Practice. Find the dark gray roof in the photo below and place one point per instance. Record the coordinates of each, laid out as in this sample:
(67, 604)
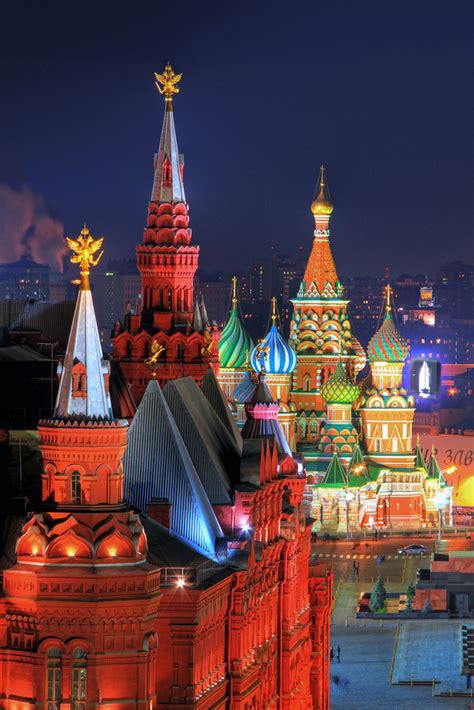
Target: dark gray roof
(212, 448)
(157, 465)
(52, 320)
(213, 393)
(20, 353)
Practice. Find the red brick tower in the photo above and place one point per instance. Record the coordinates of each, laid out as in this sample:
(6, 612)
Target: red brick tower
(80, 604)
(171, 327)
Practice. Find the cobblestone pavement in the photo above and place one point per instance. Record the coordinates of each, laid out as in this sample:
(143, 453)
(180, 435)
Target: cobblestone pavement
(429, 649)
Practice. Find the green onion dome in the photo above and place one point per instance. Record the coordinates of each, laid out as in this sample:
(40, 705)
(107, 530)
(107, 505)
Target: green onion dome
(234, 342)
(387, 345)
(338, 389)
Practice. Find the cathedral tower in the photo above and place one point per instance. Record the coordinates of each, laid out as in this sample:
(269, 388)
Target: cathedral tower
(167, 262)
(320, 331)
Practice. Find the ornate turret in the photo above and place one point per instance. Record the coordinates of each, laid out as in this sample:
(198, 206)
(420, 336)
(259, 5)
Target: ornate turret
(338, 433)
(338, 388)
(262, 417)
(387, 350)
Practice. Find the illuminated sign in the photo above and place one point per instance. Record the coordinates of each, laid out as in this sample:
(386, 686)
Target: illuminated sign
(425, 377)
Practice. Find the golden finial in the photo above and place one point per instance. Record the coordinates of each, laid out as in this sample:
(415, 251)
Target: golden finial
(388, 293)
(167, 84)
(84, 247)
(234, 291)
(322, 205)
(274, 311)
(417, 439)
(247, 359)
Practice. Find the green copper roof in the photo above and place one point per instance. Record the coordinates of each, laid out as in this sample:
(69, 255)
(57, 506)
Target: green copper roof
(234, 342)
(335, 473)
(420, 459)
(338, 389)
(434, 469)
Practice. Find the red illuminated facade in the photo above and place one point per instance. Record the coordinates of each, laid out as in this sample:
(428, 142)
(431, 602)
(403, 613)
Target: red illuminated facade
(167, 261)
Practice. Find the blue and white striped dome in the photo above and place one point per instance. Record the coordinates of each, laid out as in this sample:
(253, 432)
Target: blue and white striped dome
(276, 356)
(244, 391)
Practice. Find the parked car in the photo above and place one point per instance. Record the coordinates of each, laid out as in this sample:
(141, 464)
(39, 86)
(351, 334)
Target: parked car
(364, 601)
(413, 550)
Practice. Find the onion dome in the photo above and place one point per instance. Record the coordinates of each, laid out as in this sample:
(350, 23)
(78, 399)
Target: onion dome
(360, 358)
(234, 341)
(322, 205)
(273, 353)
(387, 345)
(245, 389)
(338, 389)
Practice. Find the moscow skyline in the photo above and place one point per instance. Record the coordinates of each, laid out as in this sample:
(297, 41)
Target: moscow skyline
(381, 98)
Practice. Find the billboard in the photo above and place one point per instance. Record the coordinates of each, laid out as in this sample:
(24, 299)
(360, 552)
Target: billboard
(425, 377)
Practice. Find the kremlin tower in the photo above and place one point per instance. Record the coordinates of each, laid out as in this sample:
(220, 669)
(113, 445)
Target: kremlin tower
(277, 360)
(79, 605)
(320, 331)
(168, 337)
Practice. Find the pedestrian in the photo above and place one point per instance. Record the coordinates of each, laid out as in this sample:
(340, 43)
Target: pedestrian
(331, 655)
(354, 568)
(338, 653)
(357, 570)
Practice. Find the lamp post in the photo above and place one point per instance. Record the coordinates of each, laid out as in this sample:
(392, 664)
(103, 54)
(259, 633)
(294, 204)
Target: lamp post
(442, 497)
(348, 496)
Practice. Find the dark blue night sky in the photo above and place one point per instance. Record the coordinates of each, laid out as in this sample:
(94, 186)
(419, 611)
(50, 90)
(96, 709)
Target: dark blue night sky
(379, 92)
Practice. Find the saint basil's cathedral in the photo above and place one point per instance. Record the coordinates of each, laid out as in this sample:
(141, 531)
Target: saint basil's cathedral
(168, 563)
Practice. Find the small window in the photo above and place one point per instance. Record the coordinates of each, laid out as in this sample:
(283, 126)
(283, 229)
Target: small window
(53, 678)
(76, 487)
(79, 679)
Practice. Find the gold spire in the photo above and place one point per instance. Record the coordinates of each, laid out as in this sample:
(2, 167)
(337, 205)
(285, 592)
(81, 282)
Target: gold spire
(274, 311)
(84, 247)
(417, 439)
(322, 205)
(234, 292)
(167, 84)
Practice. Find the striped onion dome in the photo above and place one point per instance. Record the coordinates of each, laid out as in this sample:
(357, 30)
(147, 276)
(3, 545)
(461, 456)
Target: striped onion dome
(387, 345)
(244, 391)
(274, 354)
(338, 389)
(234, 342)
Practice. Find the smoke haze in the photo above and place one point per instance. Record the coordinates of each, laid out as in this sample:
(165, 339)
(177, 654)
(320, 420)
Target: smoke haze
(27, 228)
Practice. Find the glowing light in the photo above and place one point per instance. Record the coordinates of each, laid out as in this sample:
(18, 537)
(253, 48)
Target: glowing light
(180, 583)
(245, 527)
(451, 469)
(112, 552)
(34, 550)
(71, 552)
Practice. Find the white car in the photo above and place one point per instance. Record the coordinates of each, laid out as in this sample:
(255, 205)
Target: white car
(413, 550)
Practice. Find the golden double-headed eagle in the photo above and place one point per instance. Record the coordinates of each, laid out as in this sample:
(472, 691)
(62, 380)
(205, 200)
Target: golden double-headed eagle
(167, 83)
(84, 248)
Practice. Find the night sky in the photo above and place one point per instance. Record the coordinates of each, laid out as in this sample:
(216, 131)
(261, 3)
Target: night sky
(381, 93)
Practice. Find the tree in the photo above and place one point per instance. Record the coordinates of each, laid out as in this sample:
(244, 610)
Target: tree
(411, 591)
(427, 607)
(378, 596)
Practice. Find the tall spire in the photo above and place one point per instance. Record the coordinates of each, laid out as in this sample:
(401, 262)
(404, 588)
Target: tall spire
(84, 385)
(320, 277)
(168, 183)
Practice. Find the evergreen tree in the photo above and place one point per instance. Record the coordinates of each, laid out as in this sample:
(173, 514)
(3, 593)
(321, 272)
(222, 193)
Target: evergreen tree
(427, 607)
(411, 591)
(377, 598)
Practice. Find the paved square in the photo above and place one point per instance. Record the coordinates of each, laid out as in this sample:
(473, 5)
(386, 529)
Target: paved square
(429, 650)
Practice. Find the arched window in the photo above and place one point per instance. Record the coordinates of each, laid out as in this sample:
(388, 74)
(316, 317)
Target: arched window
(306, 382)
(170, 299)
(160, 298)
(75, 487)
(79, 679)
(53, 678)
(179, 351)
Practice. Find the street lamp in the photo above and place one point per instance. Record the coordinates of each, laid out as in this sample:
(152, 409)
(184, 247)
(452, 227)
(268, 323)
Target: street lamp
(348, 496)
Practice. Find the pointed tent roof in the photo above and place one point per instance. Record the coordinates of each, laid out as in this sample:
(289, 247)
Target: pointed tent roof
(212, 448)
(434, 469)
(157, 465)
(357, 459)
(205, 318)
(419, 458)
(234, 341)
(84, 350)
(168, 183)
(335, 474)
(197, 320)
(320, 277)
(214, 395)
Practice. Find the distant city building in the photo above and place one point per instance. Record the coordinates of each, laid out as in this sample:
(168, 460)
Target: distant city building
(216, 292)
(24, 279)
(114, 292)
